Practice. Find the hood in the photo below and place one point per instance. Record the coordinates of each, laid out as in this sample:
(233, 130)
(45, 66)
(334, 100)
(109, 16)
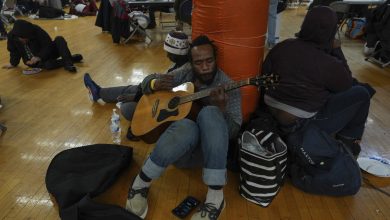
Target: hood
(319, 27)
(23, 29)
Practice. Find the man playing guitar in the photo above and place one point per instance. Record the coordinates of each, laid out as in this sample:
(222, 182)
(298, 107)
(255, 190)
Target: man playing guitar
(200, 142)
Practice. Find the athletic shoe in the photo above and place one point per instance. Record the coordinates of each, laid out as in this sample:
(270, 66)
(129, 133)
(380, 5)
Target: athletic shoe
(208, 211)
(137, 202)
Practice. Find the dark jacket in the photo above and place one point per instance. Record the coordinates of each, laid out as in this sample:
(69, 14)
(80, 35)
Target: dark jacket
(309, 64)
(39, 42)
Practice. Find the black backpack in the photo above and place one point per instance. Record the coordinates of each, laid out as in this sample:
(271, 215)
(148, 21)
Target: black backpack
(49, 12)
(76, 175)
(320, 164)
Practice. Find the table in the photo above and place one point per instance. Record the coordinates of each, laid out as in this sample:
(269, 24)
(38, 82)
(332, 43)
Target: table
(364, 2)
(154, 3)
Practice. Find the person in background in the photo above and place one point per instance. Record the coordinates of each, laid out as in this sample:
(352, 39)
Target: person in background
(272, 39)
(3, 32)
(324, 91)
(176, 45)
(201, 142)
(83, 8)
(35, 47)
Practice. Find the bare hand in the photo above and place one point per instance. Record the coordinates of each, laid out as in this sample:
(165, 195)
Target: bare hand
(126, 98)
(164, 82)
(8, 66)
(219, 98)
(33, 60)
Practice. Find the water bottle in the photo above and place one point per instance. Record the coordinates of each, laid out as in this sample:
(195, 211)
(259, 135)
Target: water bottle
(115, 127)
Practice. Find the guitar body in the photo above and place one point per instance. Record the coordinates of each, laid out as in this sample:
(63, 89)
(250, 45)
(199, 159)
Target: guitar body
(155, 110)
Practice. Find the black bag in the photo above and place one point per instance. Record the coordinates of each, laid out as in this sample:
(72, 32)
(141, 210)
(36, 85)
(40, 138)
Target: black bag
(320, 164)
(76, 175)
(263, 161)
(49, 12)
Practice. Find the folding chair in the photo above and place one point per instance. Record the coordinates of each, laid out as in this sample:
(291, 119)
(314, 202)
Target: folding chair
(343, 13)
(377, 58)
(138, 22)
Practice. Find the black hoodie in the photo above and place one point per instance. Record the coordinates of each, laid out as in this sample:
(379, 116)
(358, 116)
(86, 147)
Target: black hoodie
(310, 65)
(39, 42)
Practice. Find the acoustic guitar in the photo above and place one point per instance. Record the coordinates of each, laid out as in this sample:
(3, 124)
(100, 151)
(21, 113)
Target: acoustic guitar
(154, 111)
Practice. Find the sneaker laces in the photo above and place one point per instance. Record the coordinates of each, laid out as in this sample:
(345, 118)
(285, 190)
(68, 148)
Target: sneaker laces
(210, 209)
(142, 191)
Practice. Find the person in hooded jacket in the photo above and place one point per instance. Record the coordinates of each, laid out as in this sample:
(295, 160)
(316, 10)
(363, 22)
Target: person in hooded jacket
(35, 47)
(316, 83)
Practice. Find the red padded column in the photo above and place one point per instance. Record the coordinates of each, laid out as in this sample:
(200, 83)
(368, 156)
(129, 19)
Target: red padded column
(238, 29)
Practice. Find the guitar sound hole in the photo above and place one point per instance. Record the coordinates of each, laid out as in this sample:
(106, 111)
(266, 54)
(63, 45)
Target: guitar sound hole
(174, 103)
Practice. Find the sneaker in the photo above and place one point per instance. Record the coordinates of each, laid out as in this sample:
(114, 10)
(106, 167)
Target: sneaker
(137, 202)
(208, 211)
(76, 58)
(92, 87)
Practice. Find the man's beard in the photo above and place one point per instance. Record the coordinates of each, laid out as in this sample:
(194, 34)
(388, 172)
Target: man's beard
(208, 80)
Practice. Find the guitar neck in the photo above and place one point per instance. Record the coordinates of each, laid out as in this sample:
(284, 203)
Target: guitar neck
(206, 92)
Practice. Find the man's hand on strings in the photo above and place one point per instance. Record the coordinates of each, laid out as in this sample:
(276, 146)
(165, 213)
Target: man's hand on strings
(219, 98)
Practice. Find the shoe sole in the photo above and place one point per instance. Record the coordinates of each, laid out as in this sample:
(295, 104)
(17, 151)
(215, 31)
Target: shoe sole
(143, 215)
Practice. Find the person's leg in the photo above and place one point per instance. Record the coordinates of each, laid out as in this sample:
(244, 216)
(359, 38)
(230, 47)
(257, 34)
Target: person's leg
(64, 53)
(110, 94)
(214, 138)
(180, 138)
(345, 115)
(127, 109)
(152, 17)
(272, 16)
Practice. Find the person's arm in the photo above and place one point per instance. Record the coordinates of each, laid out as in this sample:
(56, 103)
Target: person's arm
(14, 54)
(167, 81)
(335, 72)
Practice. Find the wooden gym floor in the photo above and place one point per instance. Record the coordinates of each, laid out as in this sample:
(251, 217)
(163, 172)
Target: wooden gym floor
(50, 112)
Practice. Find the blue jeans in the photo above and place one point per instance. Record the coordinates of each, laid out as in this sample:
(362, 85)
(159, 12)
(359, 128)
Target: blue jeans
(187, 143)
(344, 114)
(272, 16)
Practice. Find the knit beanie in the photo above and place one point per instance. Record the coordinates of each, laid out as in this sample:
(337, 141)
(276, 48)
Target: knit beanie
(177, 43)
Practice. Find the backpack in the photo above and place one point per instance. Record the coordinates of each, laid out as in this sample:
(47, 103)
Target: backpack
(77, 175)
(356, 28)
(263, 161)
(49, 12)
(320, 164)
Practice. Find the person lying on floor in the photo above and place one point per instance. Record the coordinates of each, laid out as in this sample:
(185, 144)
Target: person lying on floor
(83, 8)
(324, 91)
(35, 47)
(176, 45)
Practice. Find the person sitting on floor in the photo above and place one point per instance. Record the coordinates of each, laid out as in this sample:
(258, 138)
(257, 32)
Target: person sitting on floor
(34, 45)
(83, 8)
(176, 45)
(187, 143)
(324, 91)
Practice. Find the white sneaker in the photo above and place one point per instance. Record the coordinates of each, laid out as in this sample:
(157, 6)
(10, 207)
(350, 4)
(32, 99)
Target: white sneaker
(367, 51)
(137, 202)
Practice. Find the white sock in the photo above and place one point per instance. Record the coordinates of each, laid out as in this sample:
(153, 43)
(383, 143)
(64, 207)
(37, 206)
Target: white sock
(139, 183)
(215, 197)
